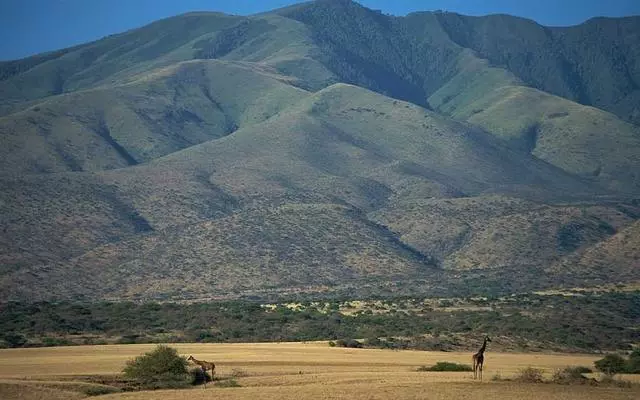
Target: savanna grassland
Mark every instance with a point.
(294, 370)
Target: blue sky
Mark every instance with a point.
(32, 26)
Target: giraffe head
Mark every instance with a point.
(487, 338)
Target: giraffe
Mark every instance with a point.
(205, 365)
(478, 359)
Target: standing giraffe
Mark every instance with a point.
(205, 365)
(478, 359)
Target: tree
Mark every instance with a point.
(633, 364)
(14, 340)
(160, 368)
(611, 364)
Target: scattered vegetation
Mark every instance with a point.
(573, 322)
(613, 364)
(227, 383)
(352, 343)
(530, 375)
(99, 390)
(446, 366)
(571, 375)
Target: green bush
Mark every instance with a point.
(52, 341)
(12, 340)
(442, 366)
(160, 368)
(611, 364)
(633, 364)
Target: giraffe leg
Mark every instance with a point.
(204, 376)
(480, 371)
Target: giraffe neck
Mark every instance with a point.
(484, 346)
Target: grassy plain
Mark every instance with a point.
(295, 370)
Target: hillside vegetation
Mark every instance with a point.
(576, 321)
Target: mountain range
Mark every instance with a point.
(322, 148)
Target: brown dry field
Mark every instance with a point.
(298, 371)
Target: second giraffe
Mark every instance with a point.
(478, 359)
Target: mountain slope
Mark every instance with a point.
(291, 246)
(497, 231)
(154, 115)
(616, 259)
(449, 62)
(579, 139)
(344, 145)
(594, 63)
(438, 60)
(316, 147)
(88, 65)
(344, 131)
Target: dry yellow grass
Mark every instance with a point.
(299, 370)
(368, 391)
(17, 390)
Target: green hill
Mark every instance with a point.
(99, 62)
(153, 115)
(594, 63)
(582, 140)
(230, 207)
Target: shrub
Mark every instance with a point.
(51, 341)
(581, 369)
(160, 368)
(571, 375)
(228, 383)
(611, 364)
(13, 340)
(442, 366)
(352, 343)
(99, 390)
(530, 375)
(373, 342)
(633, 364)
